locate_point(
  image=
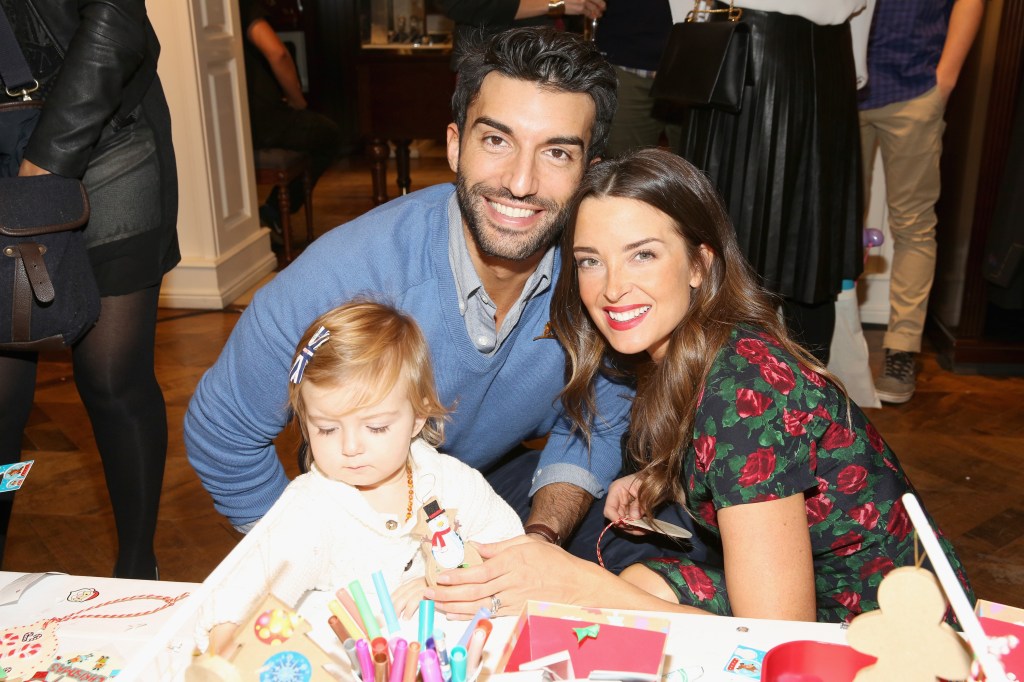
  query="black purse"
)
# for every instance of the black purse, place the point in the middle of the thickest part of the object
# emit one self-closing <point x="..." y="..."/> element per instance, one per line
<point x="48" y="293"/>
<point x="706" y="61"/>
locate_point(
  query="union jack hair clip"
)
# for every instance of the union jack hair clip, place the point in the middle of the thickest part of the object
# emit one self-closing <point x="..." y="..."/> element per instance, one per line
<point x="306" y="354"/>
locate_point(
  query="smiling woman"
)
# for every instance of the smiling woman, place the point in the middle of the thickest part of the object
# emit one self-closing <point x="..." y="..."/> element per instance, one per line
<point x="732" y="419"/>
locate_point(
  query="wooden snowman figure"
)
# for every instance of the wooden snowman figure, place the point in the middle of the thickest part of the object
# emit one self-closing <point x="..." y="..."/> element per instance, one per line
<point x="443" y="547"/>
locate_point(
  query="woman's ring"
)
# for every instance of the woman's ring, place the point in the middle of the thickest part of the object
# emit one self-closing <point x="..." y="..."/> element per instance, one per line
<point x="495" y="604"/>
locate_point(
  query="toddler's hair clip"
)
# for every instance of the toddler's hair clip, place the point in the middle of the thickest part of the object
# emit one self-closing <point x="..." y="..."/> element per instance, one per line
<point x="306" y="354"/>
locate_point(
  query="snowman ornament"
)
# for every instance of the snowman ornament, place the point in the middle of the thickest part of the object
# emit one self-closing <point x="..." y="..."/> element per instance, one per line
<point x="442" y="545"/>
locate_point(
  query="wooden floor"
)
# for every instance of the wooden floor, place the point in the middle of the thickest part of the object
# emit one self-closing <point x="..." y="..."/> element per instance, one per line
<point x="961" y="440"/>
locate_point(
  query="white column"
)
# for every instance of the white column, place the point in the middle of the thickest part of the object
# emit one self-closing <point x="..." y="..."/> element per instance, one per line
<point x="224" y="251"/>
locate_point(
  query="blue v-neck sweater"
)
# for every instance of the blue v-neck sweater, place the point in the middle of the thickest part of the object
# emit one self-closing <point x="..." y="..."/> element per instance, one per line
<point x="398" y="254"/>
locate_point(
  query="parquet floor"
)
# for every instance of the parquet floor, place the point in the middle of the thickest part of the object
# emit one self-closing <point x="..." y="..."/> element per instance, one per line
<point x="961" y="440"/>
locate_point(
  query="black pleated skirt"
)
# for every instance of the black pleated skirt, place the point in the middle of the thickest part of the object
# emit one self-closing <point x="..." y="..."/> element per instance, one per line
<point x="788" y="165"/>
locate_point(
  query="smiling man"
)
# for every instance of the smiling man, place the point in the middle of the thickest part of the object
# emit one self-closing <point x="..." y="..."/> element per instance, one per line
<point x="474" y="265"/>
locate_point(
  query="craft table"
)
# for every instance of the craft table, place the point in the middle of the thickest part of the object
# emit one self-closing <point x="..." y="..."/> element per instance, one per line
<point x="701" y="645"/>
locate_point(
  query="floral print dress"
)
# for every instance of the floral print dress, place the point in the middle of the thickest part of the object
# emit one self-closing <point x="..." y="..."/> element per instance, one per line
<point x="767" y="428"/>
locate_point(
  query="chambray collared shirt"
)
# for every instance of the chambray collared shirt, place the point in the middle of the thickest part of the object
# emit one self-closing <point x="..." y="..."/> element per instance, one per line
<point x="475" y="305"/>
<point x="907" y="37"/>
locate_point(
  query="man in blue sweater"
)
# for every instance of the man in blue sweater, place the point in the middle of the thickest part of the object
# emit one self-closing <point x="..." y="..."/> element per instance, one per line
<point x="475" y="265"/>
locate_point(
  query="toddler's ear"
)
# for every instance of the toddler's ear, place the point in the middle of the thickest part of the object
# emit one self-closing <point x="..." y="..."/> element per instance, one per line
<point x="417" y="426"/>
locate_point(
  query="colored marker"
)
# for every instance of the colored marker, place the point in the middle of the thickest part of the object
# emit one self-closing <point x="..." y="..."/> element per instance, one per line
<point x="411" y="659"/>
<point x="350" y="605"/>
<point x="398" y="662"/>
<point x="485" y="625"/>
<point x="379" y="649"/>
<point x="338" y="628"/>
<point x="464" y="640"/>
<point x="476" y="649"/>
<point x="458" y="659"/>
<point x="426" y="620"/>
<point x="386" y="605"/>
<point x="365" y="660"/>
<point x="355" y="630"/>
<point x="430" y="669"/>
<point x="442" y="653"/>
<point x="350" y="650"/>
<point x="369" y="620"/>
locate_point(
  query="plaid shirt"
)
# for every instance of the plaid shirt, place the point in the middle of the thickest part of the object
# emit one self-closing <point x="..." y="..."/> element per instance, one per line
<point x="907" y="37"/>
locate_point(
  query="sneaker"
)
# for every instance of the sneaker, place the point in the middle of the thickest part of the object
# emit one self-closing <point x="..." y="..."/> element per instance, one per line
<point x="898" y="380"/>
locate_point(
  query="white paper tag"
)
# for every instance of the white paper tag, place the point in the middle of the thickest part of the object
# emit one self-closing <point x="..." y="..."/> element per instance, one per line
<point x="663" y="527"/>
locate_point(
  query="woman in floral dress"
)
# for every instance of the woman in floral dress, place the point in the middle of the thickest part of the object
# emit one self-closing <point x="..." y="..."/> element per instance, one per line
<point x="731" y="419"/>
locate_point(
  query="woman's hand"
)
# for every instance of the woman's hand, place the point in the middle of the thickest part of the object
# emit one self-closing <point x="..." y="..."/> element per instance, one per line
<point x="513" y="571"/>
<point x="622" y="502"/>
<point x="407" y="597"/>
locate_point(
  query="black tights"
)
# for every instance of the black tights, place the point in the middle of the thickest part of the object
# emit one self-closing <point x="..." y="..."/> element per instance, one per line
<point x="114" y="374"/>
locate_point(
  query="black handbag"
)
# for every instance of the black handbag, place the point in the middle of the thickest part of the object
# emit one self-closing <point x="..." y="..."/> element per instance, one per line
<point x="48" y="293"/>
<point x="706" y="61"/>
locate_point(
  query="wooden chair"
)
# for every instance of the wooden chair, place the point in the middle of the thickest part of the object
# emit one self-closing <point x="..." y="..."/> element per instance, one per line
<point x="280" y="167"/>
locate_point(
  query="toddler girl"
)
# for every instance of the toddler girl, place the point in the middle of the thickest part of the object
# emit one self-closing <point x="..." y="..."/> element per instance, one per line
<point x="362" y="391"/>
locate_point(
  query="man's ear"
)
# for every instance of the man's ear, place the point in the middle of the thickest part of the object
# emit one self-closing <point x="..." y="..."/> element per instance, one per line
<point x="596" y="159"/>
<point x="453" y="147"/>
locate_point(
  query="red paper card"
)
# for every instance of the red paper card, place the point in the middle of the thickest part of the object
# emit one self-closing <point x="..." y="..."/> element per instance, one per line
<point x="617" y="648"/>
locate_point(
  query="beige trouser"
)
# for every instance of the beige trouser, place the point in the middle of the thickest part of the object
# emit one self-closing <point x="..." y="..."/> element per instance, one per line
<point x="909" y="135"/>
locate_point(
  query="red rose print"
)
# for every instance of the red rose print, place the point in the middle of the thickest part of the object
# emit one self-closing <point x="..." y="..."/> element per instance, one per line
<point x="889" y="464"/>
<point x="751" y="403"/>
<point x="852" y="479"/>
<point x="849" y="599"/>
<point x="758" y="468"/>
<point x="794" y="420"/>
<point x="779" y="375"/>
<point x="705" y="447"/>
<point x="708" y="513"/>
<point x="813" y="457"/>
<point x="818" y="509"/>
<point x="698" y="582"/>
<point x="820" y="411"/>
<point x="765" y="497"/>
<point x="899" y="523"/>
<point x="812" y="377"/>
<point x="866" y="515"/>
<point x="880" y="564"/>
<point x="753" y="350"/>
<point x="822" y="485"/>
<point x="847" y="544"/>
<point x="837" y="437"/>
<point x="875" y="438"/>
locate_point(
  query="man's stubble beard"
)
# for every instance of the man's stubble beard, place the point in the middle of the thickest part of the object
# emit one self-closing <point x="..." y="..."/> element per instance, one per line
<point x="514" y="246"/>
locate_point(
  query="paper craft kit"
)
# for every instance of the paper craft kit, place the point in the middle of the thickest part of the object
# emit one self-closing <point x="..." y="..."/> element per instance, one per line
<point x="596" y="640"/>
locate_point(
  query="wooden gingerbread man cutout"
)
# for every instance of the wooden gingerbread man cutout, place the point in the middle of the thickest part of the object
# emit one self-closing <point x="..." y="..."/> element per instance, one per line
<point x="443" y="548"/>
<point x="907" y="633"/>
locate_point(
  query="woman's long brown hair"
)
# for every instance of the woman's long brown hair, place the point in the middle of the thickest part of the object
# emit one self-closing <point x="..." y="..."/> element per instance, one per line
<point x="667" y="392"/>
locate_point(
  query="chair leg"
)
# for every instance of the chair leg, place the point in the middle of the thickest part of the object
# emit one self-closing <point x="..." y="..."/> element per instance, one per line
<point x="307" y="183"/>
<point x="285" y="206"/>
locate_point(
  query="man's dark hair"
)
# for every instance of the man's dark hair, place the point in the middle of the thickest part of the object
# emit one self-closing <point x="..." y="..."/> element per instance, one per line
<point x="561" y="61"/>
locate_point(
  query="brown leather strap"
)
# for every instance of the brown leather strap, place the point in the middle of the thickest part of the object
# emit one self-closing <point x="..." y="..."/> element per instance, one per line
<point x="546" y="532"/>
<point x="35" y="269"/>
<point x="31" y="281"/>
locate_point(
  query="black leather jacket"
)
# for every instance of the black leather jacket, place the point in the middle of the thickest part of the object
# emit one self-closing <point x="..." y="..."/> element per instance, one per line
<point x="109" y="63"/>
